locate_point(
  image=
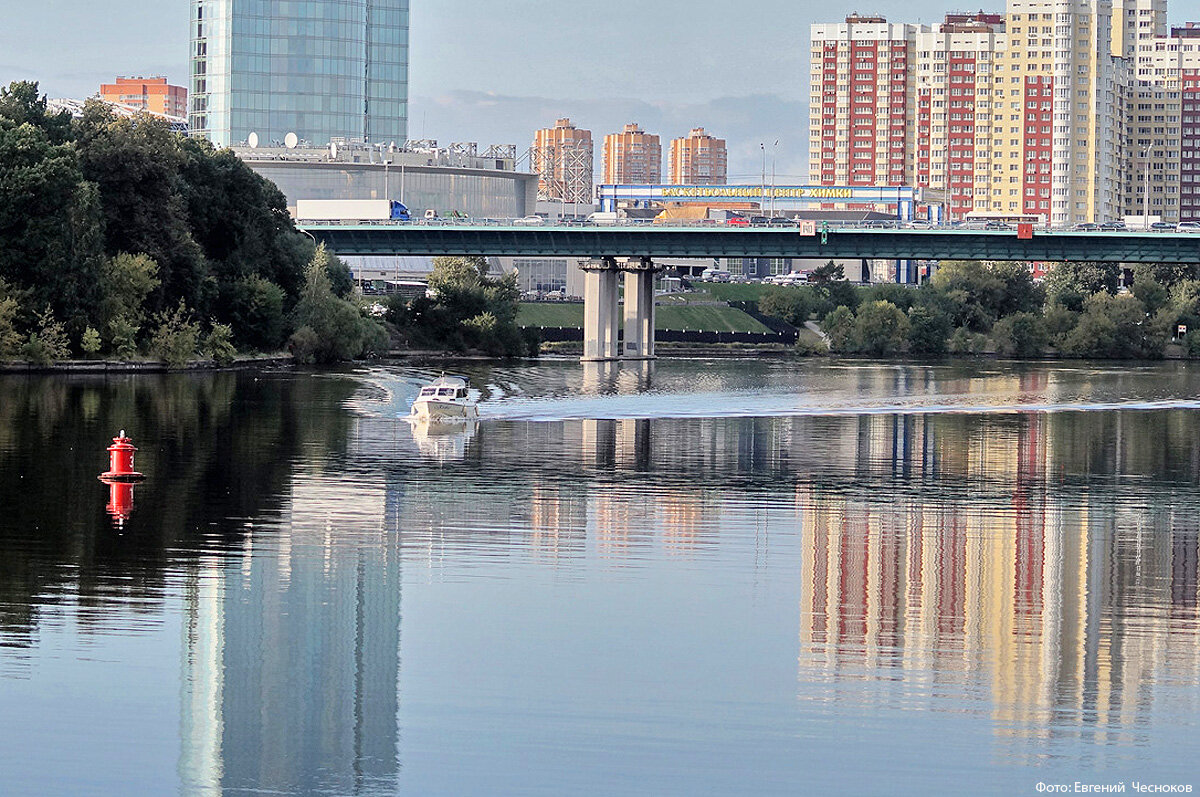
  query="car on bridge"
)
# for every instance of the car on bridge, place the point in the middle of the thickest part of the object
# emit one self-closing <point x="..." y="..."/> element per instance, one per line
<point x="1188" y="226"/>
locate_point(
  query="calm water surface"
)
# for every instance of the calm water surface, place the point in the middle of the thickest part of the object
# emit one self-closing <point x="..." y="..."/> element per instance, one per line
<point x="691" y="577"/>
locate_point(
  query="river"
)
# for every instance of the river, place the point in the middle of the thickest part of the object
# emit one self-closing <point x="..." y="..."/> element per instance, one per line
<point x="693" y="576"/>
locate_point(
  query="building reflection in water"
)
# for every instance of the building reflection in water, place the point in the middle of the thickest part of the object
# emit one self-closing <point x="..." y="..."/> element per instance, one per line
<point x="292" y="650"/>
<point x="1061" y="599"/>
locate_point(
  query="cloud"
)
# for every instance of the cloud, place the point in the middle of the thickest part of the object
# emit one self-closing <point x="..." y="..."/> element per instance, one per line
<point x="744" y="122"/>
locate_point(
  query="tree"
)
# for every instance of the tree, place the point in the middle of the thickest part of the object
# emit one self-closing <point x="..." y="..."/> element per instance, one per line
<point x="830" y="272"/>
<point x="1113" y="327"/>
<point x="1071" y="283"/>
<point x="176" y="336"/>
<point x="975" y="293"/>
<point x="786" y="304"/>
<point x="1153" y="294"/>
<point x="928" y="328"/>
<point x="469" y="310"/>
<point x="1019" y="293"/>
<point x="254" y="308"/>
<point x="328" y="329"/>
<point x="49" y="223"/>
<point x="1020" y="335"/>
<point x="839" y="328"/>
<point x="880" y="328"/>
<point x="21" y="103"/>
<point x="137" y="164"/>
<point x="125" y="282"/>
<point x="49" y="342"/>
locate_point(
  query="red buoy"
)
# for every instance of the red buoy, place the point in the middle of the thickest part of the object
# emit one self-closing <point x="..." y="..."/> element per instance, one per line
<point x="120" y="461"/>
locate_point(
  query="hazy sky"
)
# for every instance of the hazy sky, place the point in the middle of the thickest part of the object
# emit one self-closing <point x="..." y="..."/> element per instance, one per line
<point x="493" y="72"/>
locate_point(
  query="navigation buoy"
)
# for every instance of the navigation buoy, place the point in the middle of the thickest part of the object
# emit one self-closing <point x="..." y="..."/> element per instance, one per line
<point x="120" y="461"/>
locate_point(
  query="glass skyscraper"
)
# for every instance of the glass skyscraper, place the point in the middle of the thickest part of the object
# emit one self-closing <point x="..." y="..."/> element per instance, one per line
<point x="321" y="69"/>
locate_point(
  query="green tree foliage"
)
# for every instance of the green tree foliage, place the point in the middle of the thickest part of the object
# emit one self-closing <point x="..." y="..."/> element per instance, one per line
<point x="328" y="328"/>
<point x="49" y="342"/>
<point x="176" y="336"/>
<point x="978" y="293"/>
<point x="902" y="296"/>
<point x="125" y="282"/>
<point x="1070" y="284"/>
<point x="787" y="304"/>
<point x="90" y="343"/>
<point x="1113" y="327"/>
<point x="830" y="272"/>
<point x="49" y="229"/>
<point x="1020" y="335"/>
<point x="880" y="328"/>
<point x="79" y="195"/>
<point x="218" y="344"/>
<point x="838" y="326"/>
<point x="254" y="307"/>
<point x="928" y="329"/>
<point x="1152" y="293"/>
<point x="137" y="164"/>
<point x="469" y="310"/>
<point x="21" y="103"/>
<point x="10" y="339"/>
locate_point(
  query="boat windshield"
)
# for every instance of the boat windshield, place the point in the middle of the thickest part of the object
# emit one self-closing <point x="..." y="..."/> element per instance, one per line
<point x="446" y="391"/>
<point x="428" y="391"/>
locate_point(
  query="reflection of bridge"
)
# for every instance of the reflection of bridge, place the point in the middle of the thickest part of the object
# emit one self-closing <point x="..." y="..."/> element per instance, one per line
<point x="640" y="243"/>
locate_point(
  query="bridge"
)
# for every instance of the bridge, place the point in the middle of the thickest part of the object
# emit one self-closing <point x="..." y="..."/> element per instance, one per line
<point x="637" y="245"/>
<point x="645" y="240"/>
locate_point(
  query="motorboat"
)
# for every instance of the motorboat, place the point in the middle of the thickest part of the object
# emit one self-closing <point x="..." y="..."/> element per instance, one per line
<point x="445" y="398"/>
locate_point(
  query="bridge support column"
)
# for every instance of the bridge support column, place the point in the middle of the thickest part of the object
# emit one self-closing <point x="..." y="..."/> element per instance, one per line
<point x="639" y="309"/>
<point x="600" y="310"/>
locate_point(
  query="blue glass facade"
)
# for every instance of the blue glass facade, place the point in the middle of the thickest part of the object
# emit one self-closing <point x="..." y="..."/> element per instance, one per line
<point x="321" y="69"/>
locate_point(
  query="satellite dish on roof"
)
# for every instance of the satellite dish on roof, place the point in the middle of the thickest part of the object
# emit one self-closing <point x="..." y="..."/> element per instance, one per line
<point x="252" y="141"/>
<point x="291" y="140"/>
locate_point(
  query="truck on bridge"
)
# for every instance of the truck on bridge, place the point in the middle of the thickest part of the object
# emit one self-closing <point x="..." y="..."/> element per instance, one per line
<point x="351" y="210"/>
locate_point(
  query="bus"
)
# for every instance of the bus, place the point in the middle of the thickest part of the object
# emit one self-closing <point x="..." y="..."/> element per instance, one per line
<point x="983" y="221"/>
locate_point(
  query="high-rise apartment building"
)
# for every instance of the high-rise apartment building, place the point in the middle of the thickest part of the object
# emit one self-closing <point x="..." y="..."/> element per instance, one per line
<point x="153" y="95"/>
<point x="698" y="159"/>
<point x="562" y="158"/>
<point x="1163" y="153"/>
<point x="958" y="110"/>
<point x="632" y="157"/>
<point x="1069" y="110"/>
<point x="318" y="70"/>
<point x="860" y="130"/>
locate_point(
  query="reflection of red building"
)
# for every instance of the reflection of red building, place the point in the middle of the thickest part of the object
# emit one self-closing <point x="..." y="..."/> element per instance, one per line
<point x="1027" y="594"/>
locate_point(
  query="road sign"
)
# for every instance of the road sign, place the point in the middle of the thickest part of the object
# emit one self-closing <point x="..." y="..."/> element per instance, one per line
<point x="808" y="228"/>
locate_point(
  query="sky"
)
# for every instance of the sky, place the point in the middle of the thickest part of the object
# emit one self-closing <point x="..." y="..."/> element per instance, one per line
<point x="493" y="72"/>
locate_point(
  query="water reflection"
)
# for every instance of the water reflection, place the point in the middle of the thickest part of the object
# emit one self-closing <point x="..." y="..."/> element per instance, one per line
<point x="1035" y="573"/>
<point x="292" y="655"/>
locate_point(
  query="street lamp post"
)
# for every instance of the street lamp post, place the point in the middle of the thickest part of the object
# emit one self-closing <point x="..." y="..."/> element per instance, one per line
<point x="774" y="151"/>
<point x="1146" y="188"/>
<point x="762" y="145"/>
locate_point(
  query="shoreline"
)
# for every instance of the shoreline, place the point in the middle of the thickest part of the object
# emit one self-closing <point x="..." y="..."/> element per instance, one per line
<point x="142" y="366"/>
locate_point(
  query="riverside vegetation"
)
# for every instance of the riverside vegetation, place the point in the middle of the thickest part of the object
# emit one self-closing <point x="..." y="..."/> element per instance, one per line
<point x="120" y="238"/>
<point x="969" y="307"/>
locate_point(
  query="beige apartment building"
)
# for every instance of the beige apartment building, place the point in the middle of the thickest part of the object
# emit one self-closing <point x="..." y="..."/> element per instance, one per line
<point x="632" y="157"/>
<point x="562" y="159"/>
<point x="957" y="110"/>
<point x="1063" y="110"/>
<point x="698" y="159"/>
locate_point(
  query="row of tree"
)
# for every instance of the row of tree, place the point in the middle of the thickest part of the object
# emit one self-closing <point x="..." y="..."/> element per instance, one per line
<point x="1079" y="310"/>
<point x="120" y="237"/>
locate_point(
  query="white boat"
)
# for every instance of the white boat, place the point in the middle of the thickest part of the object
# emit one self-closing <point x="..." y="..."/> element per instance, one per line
<point x="445" y="398"/>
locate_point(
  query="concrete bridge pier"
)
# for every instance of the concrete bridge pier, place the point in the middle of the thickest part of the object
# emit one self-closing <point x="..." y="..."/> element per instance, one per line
<point x="639" y="309"/>
<point x="601" y="310"/>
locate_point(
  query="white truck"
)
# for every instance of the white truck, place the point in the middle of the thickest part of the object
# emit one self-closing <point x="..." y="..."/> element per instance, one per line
<point x="351" y="210"/>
